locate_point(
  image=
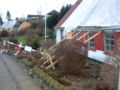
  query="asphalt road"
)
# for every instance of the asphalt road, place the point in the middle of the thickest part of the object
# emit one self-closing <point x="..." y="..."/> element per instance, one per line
<point x="13" y="77"/>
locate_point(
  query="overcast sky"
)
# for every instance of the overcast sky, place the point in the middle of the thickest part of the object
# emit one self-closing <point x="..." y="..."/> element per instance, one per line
<point x="20" y="8"/>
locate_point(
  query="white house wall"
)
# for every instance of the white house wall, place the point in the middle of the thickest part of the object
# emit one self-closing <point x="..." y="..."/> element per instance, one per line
<point x="58" y="35"/>
<point x="94" y="13"/>
<point x="97" y="55"/>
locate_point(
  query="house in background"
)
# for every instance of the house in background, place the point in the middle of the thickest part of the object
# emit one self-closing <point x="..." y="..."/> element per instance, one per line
<point x="34" y="17"/>
<point x="98" y="18"/>
<point x="9" y="25"/>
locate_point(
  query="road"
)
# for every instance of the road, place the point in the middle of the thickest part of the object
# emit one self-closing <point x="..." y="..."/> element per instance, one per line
<point x="13" y="77"/>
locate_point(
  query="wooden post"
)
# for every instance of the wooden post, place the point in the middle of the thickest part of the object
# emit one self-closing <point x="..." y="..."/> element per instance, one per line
<point x="47" y="61"/>
<point x="93" y="36"/>
<point x="83" y="35"/>
<point x="76" y="34"/>
<point x="51" y="65"/>
<point x="63" y="40"/>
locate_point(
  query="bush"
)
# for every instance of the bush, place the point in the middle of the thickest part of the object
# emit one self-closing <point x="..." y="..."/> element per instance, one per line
<point x="47" y="44"/>
<point x="12" y="34"/>
<point x="36" y="43"/>
<point x="108" y="76"/>
<point x="21" y="32"/>
<point x="72" y="56"/>
<point x="33" y="41"/>
<point x="4" y="33"/>
<point x="0" y="39"/>
<point x="34" y="25"/>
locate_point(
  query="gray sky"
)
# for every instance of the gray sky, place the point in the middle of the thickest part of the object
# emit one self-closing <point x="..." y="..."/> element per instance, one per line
<point x="20" y="8"/>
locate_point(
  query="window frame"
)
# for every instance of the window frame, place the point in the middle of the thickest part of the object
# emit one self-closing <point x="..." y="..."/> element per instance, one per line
<point x="91" y="43"/>
<point x="109" y="41"/>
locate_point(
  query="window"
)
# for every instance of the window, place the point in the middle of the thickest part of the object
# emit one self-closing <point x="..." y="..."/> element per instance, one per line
<point x="91" y="42"/>
<point x="109" y="41"/>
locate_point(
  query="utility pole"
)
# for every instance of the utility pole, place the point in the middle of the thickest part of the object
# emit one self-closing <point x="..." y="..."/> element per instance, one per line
<point x="45" y="20"/>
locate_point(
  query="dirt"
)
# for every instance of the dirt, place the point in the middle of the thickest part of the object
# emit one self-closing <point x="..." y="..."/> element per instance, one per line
<point x="80" y="83"/>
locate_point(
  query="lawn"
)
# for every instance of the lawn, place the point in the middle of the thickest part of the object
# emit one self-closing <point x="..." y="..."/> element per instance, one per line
<point x="22" y="39"/>
<point x="19" y="38"/>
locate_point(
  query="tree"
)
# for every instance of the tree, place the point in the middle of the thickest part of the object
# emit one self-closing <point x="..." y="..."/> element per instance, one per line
<point x="1" y="21"/>
<point x="8" y="16"/>
<point x="52" y="20"/>
<point x="56" y="16"/>
<point x="64" y="10"/>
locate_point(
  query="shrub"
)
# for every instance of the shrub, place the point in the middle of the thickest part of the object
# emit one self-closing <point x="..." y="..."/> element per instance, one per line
<point x="108" y="77"/>
<point x="4" y="33"/>
<point x="72" y="56"/>
<point x="36" y="43"/>
<point x="47" y="44"/>
<point x="0" y="39"/>
<point x="21" y="32"/>
<point x="34" y="25"/>
<point x="33" y="40"/>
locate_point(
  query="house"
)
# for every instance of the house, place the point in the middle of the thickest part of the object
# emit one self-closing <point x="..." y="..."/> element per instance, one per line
<point x="98" y="22"/>
<point x="34" y="17"/>
<point x="24" y="25"/>
<point x="9" y="25"/>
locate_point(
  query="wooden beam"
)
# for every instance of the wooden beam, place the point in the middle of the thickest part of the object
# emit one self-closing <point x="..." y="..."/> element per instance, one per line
<point x="93" y="36"/>
<point x="63" y="40"/>
<point x="76" y="34"/>
<point x="48" y="67"/>
<point x="83" y="35"/>
<point x="47" y="61"/>
<point x="55" y="62"/>
<point x="51" y="61"/>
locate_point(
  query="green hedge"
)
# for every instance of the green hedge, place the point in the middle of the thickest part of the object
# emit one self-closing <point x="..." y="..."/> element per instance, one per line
<point x="47" y="80"/>
<point x="26" y="63"/>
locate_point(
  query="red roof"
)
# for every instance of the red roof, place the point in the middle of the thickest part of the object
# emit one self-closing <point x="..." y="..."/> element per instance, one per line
<point x="67" y="14"/>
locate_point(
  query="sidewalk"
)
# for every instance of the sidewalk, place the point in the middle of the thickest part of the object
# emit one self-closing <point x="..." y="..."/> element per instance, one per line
<point x="13" y="77"/>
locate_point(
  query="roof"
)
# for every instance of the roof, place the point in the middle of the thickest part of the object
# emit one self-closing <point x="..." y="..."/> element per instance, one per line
<point x="34" y="16"/>
<point x="65" y="17"/>
<point x="8" y="24"/>
<point x="93" y="13"/>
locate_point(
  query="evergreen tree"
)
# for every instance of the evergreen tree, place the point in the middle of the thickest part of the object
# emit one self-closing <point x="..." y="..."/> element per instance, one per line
<point x="64" y="10"/>
<point x="8" y="16"/>
<point x="52" y="20"/>
<point x="1" y="21"/>
<point x="56" y="16"/>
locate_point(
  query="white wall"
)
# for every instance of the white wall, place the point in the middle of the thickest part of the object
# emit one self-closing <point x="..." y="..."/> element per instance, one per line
<point x="58" y="35"/>
<point x="97" y="55"/>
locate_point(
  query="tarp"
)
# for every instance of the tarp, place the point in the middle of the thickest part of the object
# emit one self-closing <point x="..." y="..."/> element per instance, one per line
<point x="94" y="13"/>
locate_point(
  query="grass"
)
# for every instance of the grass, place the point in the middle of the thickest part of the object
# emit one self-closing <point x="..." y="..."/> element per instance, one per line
<point x="22" y="39"/>
<point x="19" y="38"/>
